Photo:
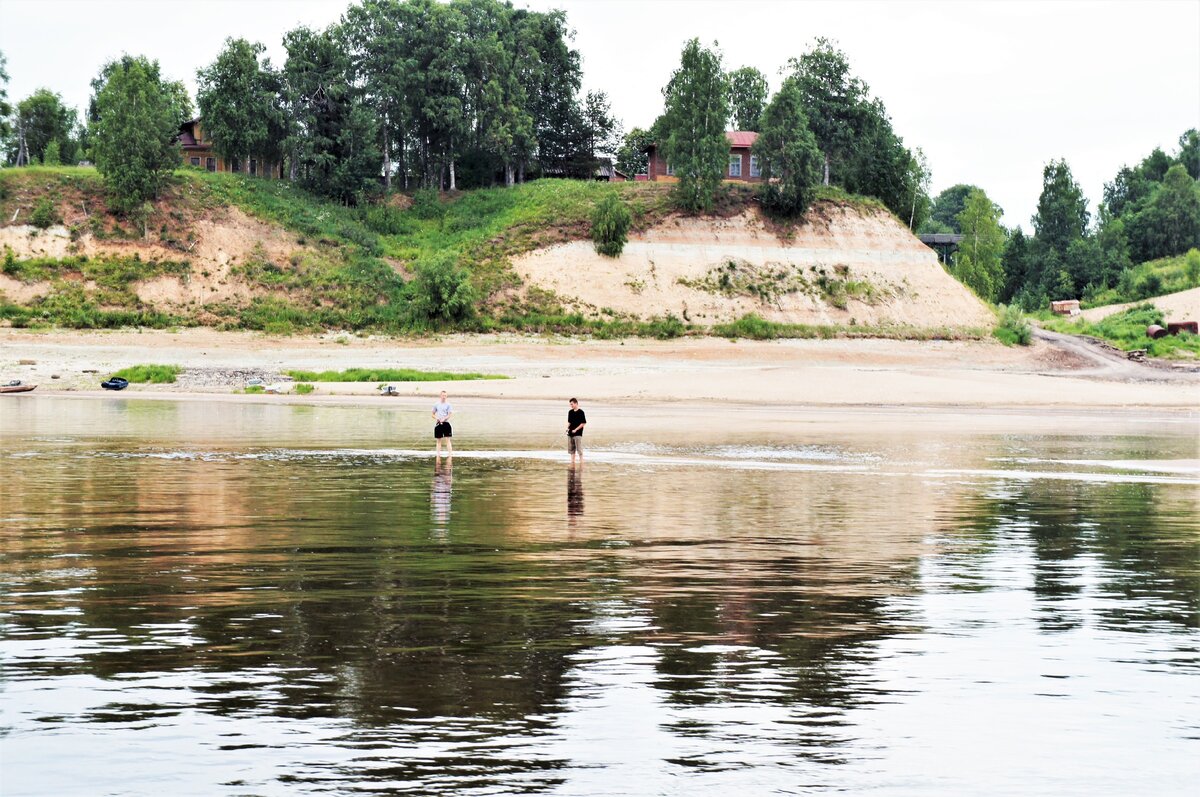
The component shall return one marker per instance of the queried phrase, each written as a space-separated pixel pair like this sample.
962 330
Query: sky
990 91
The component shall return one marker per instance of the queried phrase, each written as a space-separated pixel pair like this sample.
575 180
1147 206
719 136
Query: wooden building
198 151
743 166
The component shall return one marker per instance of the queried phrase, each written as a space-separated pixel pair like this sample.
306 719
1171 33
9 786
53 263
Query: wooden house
742 167
197 150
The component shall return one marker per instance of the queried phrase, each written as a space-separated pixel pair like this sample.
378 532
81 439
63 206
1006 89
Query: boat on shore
16 386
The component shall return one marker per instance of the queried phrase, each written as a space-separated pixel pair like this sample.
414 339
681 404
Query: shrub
610 226
53 154
666 327
386 220
1013 329
304 388
45 214
427 205
751 325
1149 286
442 291
1191 266
154 374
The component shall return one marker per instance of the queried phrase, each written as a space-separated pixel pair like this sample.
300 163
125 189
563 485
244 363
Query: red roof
741 138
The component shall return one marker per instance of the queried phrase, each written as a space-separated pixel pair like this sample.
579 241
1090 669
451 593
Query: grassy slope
352 266
1145 281
1127 331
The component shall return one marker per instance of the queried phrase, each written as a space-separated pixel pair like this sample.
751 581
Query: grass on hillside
152 374
755 327
386 375
1127 331
1147 280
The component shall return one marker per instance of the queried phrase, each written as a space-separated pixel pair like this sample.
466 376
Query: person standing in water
441 425
576 420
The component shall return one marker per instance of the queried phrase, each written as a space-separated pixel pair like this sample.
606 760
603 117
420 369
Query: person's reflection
440 494
574 494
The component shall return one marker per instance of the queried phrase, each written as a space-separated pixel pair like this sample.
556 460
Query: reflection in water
441 494
574 494
256 620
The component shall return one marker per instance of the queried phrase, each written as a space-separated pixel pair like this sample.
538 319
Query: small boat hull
16 388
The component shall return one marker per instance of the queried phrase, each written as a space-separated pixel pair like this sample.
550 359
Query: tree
378 46
978 261
1189 151
53 154
174 91
602 131
5 106
834 101
747 97
631 155
41 117
333 139
1169 224
134 132
1062 215
697 105
238 99
610 226
946 207
787 154
1014 263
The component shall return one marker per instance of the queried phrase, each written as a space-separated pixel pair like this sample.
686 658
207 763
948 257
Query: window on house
194 161
755 170
254 166
670 170
735 165
210 164
235 165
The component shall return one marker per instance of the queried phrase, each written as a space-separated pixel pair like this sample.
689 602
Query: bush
442 291
304 388
1149 287
610 226
154 374
1191 266
45 214
427 205
386 220
751 325
1013 329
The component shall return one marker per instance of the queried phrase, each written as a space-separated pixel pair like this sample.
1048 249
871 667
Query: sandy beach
798 373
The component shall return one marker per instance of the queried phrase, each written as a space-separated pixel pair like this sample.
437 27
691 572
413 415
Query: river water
244 599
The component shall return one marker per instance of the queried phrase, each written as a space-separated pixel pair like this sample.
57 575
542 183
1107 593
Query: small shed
1065 307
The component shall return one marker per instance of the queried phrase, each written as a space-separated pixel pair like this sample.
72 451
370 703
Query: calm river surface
243 599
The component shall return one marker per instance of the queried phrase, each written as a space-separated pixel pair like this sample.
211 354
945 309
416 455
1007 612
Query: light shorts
575 444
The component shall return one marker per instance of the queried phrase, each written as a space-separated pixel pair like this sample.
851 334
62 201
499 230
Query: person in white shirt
441 425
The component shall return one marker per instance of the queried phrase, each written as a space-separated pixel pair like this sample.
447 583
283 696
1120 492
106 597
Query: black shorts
441 430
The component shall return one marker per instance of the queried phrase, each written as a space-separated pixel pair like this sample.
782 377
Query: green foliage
747 97
610 226
697 105
631 155
386 375
943 215
303 388
44 214
787 154
1013 328
755 327
45 119
53 155
133 133
427 205
239 99
1146 280
442 292
252 389
1127 330
978 260
1192 267
152 374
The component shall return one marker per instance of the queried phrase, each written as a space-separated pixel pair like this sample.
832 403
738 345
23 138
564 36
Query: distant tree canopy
631 155
978 261
747 97
860 150
1156 202
943 214
137 118
5 107
239 99
43 119
787 152
693 125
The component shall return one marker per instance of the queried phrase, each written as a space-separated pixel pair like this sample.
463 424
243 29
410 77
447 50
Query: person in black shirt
576 420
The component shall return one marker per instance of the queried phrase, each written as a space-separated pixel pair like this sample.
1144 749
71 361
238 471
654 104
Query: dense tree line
445 95
1149 211
822 107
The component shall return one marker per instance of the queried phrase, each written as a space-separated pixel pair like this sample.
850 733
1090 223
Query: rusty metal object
1154 332
1175 327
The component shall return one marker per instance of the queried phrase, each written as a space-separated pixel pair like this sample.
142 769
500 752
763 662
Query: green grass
252 389
1145 281
755 327
152 374
1013 328
303 388
386 375
1127 331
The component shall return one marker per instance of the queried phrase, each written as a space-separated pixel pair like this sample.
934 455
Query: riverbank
801 373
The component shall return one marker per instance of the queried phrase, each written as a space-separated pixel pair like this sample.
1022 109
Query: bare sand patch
1180 306
676 267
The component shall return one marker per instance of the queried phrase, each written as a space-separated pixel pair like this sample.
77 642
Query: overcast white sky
990 90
